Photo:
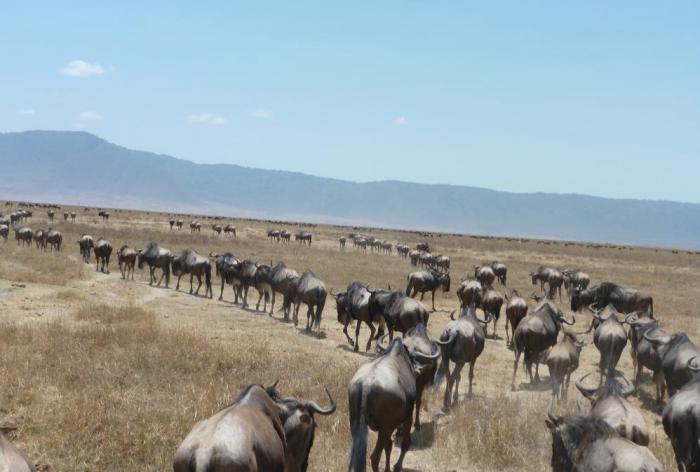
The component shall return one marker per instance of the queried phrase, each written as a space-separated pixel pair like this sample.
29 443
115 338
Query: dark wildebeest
419 345
104 215
263 284
552 277
246 276
217 228
427 281
303 237
72 216
624 300
179 224
681 419
172 223
585 443
382 396
609 404
501 271
227 267
86 244
462 341
280 280
127 260
442 263
65 216
12 459
53 239
259 432
485 275
50 214
195 226
342 242
273 234
4 232
311 291
285 236
643 352
491 303
103 251
674 352
39 239
423 247
609 338
535 334
399 312
468 292
230 229
24 236
575 279
516 310
355 304
190 262
562 361
157 258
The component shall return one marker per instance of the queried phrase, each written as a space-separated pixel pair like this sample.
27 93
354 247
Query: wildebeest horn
586 391
313 406
273 387
452 315
691 364
388 287
630 388
488 319
382 347
368 287
552 415
570 323
452 337
427 358
655 340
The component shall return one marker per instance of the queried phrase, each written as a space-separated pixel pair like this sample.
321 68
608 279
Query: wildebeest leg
163 275
471 376
447 400
97 265
457 374
151 275
272 303
358 324
508 337
565 390
199 284
223 283
245 296
515 368
191 279
345 331
106 264
177 285
382 437
260 295
296 314
433 300
405 444
422 294
372 331
419 401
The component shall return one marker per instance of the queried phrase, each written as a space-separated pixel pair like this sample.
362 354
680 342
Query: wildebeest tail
320 303
207 277
408 286
358 451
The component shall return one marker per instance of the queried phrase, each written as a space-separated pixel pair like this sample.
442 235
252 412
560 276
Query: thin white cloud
26 111
262 113
208 119
400 120
90 116
80 68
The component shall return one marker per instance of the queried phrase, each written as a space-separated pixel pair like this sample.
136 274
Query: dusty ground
98 373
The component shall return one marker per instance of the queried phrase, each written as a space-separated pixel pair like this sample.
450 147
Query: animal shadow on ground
346 347
648 400
544 384
420 440
312 334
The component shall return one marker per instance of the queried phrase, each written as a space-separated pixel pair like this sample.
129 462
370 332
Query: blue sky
592 97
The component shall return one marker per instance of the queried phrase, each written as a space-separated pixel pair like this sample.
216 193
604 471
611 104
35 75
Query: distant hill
80 168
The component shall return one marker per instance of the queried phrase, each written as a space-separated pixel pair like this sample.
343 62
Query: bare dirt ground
98 373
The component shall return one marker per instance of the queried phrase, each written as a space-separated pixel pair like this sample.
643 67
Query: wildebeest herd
264 431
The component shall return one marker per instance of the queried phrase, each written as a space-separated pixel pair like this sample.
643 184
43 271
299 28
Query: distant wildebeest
609 338
535 334
195 226
342 241
469 291
586 443
562 360
12 459
461 342
259 432
281 278
491 303
624 300
24 235
311 291
608 402
53 239
399 312
39 239
354 304
263 284
72 216
547 275
501 271
414 256
179 224
50 214
156 257
485 275
675 352
681 420
216 228
86 243
127 260
423 247
227 268
172 223
575 279
104 215
303 237
442 263
103 252
643 352
427 281
230 229
403 250
382 396
285 236
4 232
516 310
191 262
273 234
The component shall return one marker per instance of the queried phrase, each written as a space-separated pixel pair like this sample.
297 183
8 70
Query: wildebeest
491 303
127 260
381 396
547 275
72 216
103 251
216 228
535 334
230 229
259 432
285 236
191 262
311 291
485 275
610 338
195 226
516 310
681 420
172 223
643 352
53 239
179 224
24 236
4 231
12 459
585 443
263 284
273 234
427 281
462 341
609 404
303 237
39 239
675 352
468 292
86 243
442 263
65 216
157 258
227 267
501 271
399 312
562 361
354 304
342 241
50 214
281 278
423 247
624 300
575 279
104 215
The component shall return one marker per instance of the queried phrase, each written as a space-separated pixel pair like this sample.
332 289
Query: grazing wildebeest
491 303
172 223
179 224
50 214
381 396
280 280
103 251
157 258
12 459
65 216
127 260
342 242
643 352
195 226
681 419
104 215
468 292
227 268
230 229
311 291
420 346
485 275
285 236
562 361
259 432
216 228
609 404
53 239
575 279
273 234
462 341
191 262
674 352
516 310
624 300
427 281
610 338
24 236
4 232
547 275
86 243
535 334
583 443
358 304
303 237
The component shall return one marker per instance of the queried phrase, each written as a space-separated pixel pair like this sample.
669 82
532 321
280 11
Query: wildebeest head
340 306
